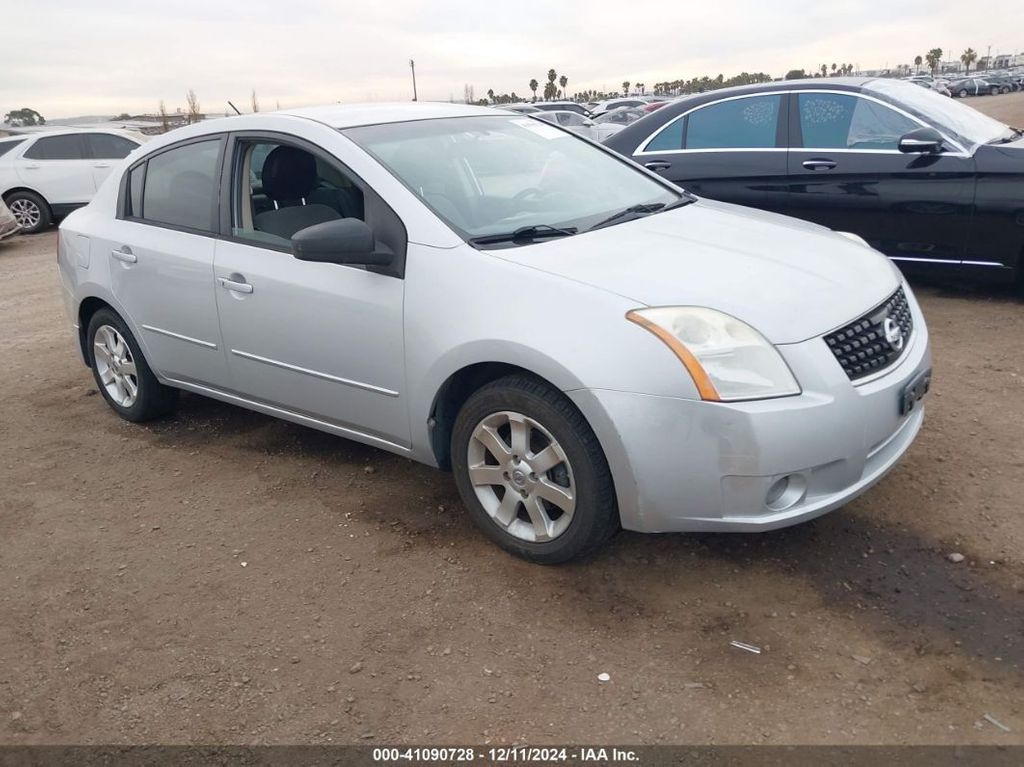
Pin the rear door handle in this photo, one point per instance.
(234, 285)
(819, 164)
(657, 165)
(102, 165)
(125, 254)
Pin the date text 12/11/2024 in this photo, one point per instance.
(502, 754)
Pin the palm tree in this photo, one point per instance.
(490, 95)
(833, 69)
(563, 81)
(824, 70)
(968, 57)
(917, 63)
(533, 87)
(640, 87)
(625, 87)
(933, 57)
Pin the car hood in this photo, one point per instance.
(789, 279)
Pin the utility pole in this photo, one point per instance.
(412, 66)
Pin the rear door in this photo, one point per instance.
(106, 150)
(732, 150)
(846, 173)
(160, 249)
(57, 167)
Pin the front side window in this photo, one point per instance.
(106, 146)
(56, 148)
(280, 189)
(841, 121)
(493, 175)
(743, 123)
(181, 186)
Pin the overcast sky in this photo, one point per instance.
(67, 58)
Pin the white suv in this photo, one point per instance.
(46, 175)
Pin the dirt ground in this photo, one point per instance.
(223, 577)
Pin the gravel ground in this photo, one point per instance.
(223, 577)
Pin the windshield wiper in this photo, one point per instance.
(1015, 133)
(524, 234)
(642, 209)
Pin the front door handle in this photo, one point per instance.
(125, 254)
(821, 164)
(238, 286)
(657, 165)
(102, 165)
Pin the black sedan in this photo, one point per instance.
(925, 179)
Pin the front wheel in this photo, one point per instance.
(122, 375)
(962, 93)
(532, 473)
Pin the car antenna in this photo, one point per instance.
(234, 107)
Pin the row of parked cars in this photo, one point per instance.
(434, 280)
(987, 84)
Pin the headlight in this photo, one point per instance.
(727, 358)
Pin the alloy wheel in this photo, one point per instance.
(115, 366)
(26, 213)
(522, 477)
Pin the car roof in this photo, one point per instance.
(44, 131)
(352, 115)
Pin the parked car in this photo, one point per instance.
(612, 122)
(562, 106)
(1004, 83)
(46, 175)
(522, 108)
(972, 86)
(434, 280)
(596, 130)
(927, 180)
(9, 225)
(608, 105)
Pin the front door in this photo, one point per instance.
(731, 150)
(318, 339)
(846, 173)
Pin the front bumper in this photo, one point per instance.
(687, 465)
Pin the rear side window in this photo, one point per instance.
(671, 137)
(745, 123)
(56, 148)
(181, 186)
(839, 121)
(7, 146)
(106, 146)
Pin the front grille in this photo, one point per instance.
(862, 348)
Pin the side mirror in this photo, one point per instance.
(921, 141)
(342, 241)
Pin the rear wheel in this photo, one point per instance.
(30, 211)
(962, 93)
(122, 375)
(532, 473)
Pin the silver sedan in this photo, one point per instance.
(586, 346)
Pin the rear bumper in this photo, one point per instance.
(685, 465)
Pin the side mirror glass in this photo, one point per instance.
(342, 241)
(921, 141)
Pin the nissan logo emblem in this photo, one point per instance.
(893, 333)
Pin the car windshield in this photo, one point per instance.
(489, 175)
(963, 120)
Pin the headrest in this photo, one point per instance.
(288, 173)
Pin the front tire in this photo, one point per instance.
(122, 374)
(963, 93)
(30, 211)
(532, 473)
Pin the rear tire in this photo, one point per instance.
(30, 210)
(532, 473)
(962, 93)
(122, 374)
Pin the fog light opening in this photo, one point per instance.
(786, 492)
